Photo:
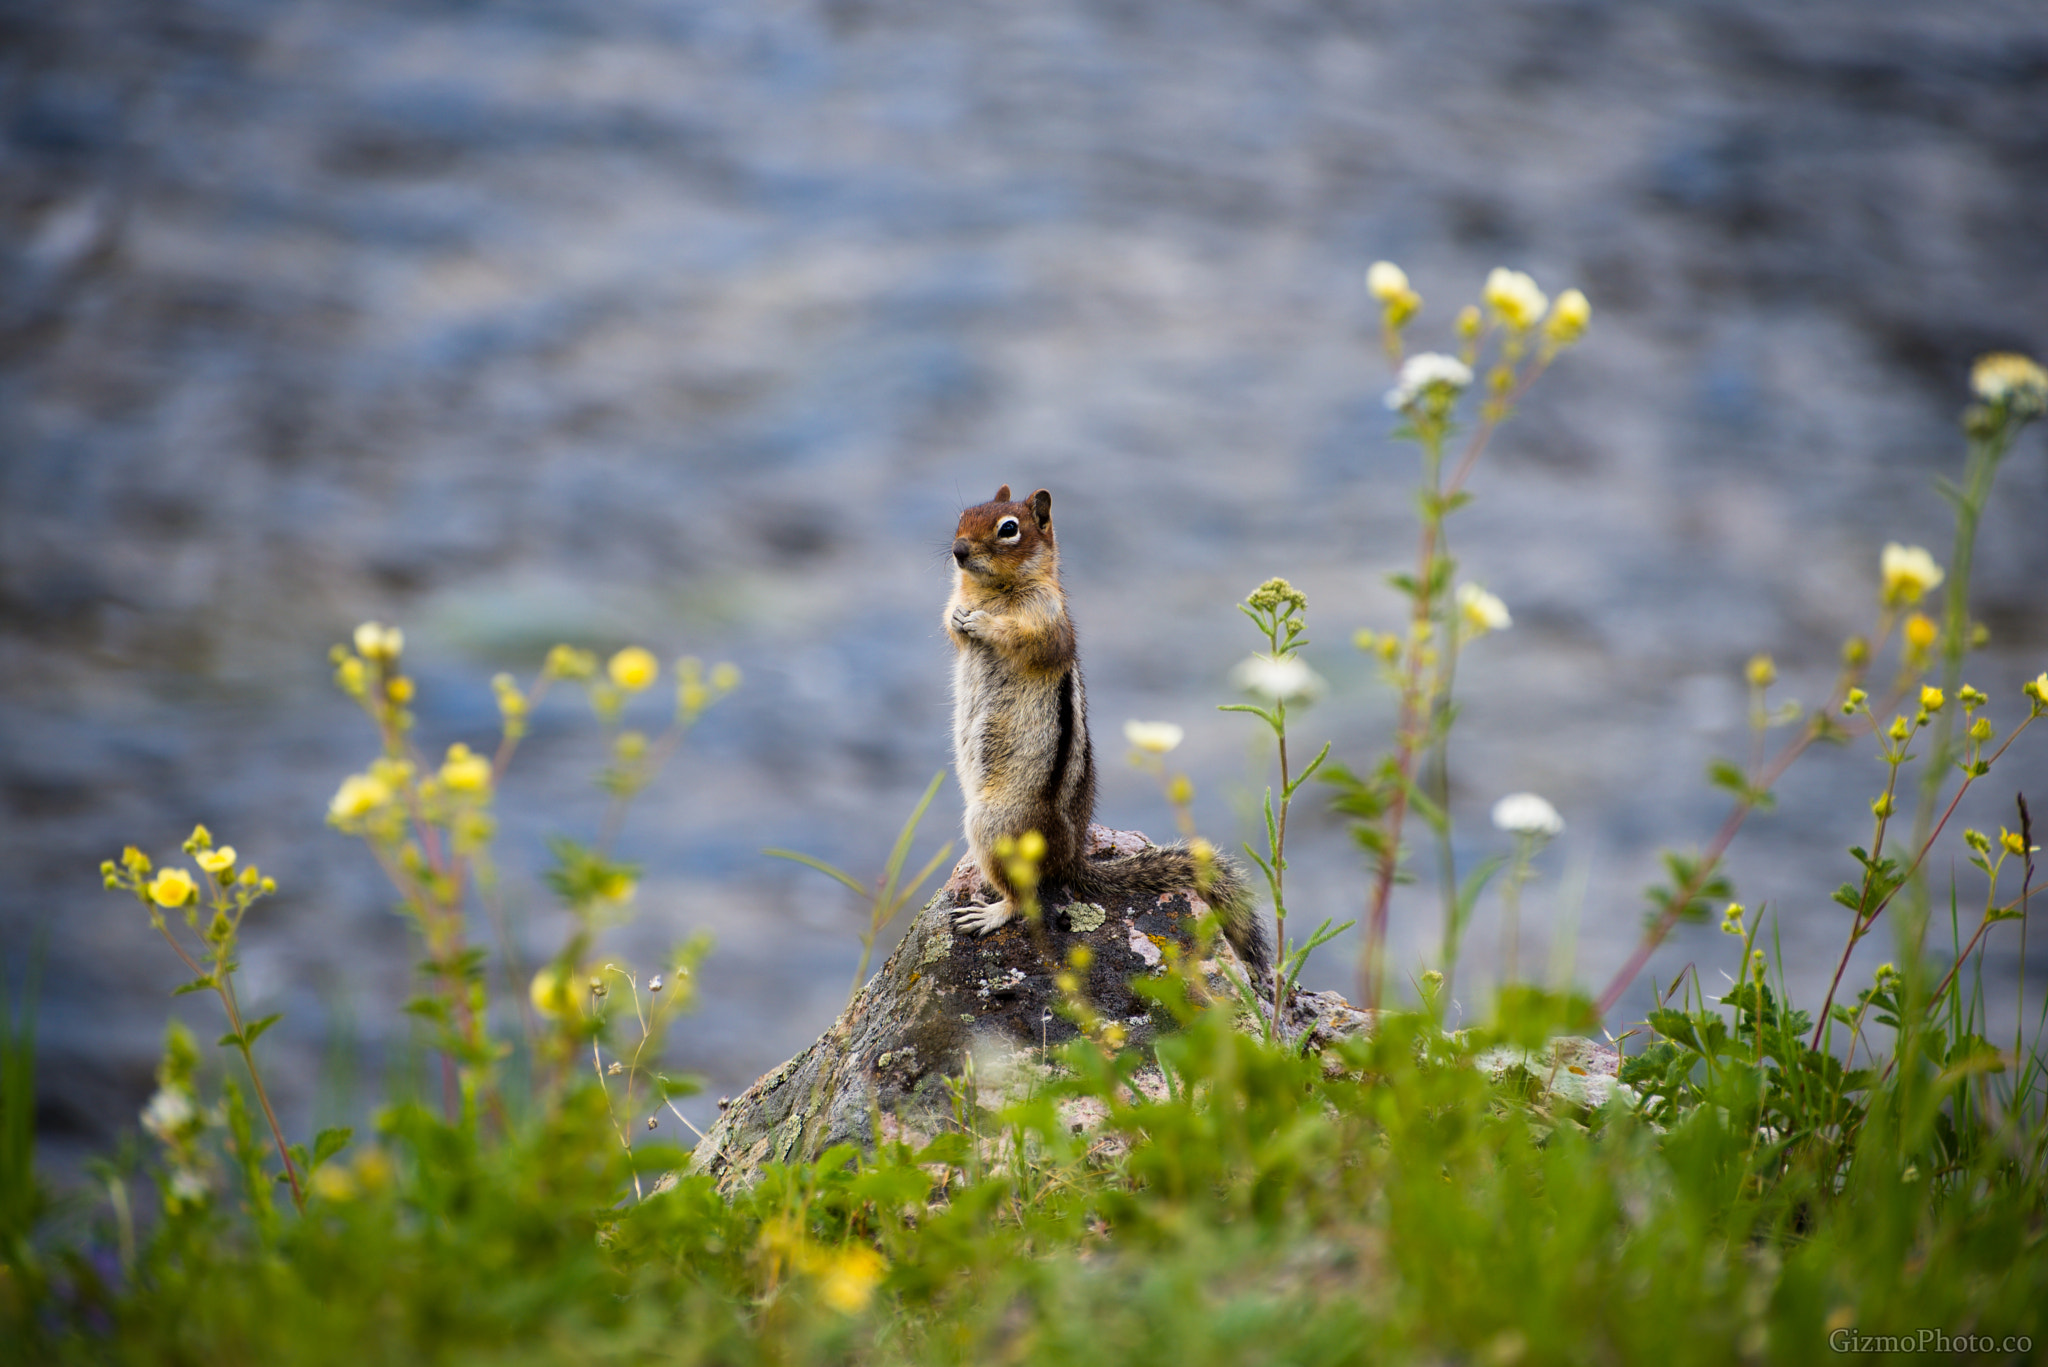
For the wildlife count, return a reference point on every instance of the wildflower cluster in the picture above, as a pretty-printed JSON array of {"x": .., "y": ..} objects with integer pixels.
[
  {"x": 227, "y": 888},
  {"x": 1510, "y": 338},
  {"x": 1277, "y": 677}
]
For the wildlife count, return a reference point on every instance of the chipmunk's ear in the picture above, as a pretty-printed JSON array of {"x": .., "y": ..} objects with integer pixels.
[
  {"x": 1002, "y": 495},
  {"x": 1041, "y": 508}
]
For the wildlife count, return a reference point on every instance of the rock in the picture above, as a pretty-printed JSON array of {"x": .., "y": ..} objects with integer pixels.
[
  {"x": 1580, "y": 1072},
  {"x": 946, "y": 1004},
  {"x": 950, "y": 1010}
]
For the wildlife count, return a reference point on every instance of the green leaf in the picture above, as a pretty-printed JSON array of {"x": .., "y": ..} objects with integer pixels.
[
  {"x": 822, "y": 867},
  {"x": 672, "y": 1087},
  {"x": 1309, "y": 772},
  {"x": 1473, "y": 885},
  {"x": 910, "y": 888},
  {"x": 330, "y": 1142},
  {"x": 901, "y": 851},
  {"x": 254, "y": 1029},
  {"x": 951, "y": 1148},
  {"x": 196, "y": 985},
  {"x": 1261, "y": 713},
  {"x": 1725, "y": 774}
]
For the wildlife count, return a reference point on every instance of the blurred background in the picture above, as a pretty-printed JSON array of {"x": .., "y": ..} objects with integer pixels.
[{"x": 695, "y": 324}]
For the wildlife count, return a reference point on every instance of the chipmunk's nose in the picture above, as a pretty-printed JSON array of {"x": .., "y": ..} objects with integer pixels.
[{"x": 961, "y": 550}]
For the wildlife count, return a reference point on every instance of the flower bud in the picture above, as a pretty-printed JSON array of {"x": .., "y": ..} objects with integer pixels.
[{"x": 634, "y": 669}]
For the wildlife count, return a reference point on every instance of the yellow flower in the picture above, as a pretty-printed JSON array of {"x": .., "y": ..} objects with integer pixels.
[
  {"x": 375, "y": 641},
  {"x": 1900, "y": 729},
  {"x": 220, "y": 861},
  {"x": 1762, "y": 672},
  {"x": 349, "y": 676},
  {"x": 1388, "y": 283},
  {"x": 1921, "y": 633},
  {"x": 172, "y": 888},
  {"x": 511, "y": 702},
  {"x": 1481, "y": 611},
  {"x": 1568, "y": 319},
  {"x": 399, "y": 690},
  {"x": 2012, "y": 842},
  {"x": 464, "y": 772},
  {"x": 2005, "y": 377},
  {"x": 2037, "y": 688},
  {"x": 1467, "y": 323},
  {"x": 1908, "y": 573},
  {"x": 1931, "y": 699},
  {"x": 1153, "y": 737},
  {"x": 359, "y": 795},
  {"x": 849, "y": 1278},
  {"x": 333, "y": 1182},
  {"x": 725, "y": 677},
  {"x": 553, "y": 993},
  {"x": 1514, "y": 296},
  {"x": 634, "y": 668},
  {"x": 567, "y": 662}
]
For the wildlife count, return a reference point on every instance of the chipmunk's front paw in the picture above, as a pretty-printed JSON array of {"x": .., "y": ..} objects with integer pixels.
[
  {"x": 982, "y": 920},
  {"x": 968, "y": 621}
]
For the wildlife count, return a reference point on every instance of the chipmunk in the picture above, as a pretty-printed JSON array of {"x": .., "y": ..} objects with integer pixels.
[{"x": 1020, "y": 732}]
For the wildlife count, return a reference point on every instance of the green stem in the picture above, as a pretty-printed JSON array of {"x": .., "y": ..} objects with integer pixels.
[{"x": 1980, "y": 469}]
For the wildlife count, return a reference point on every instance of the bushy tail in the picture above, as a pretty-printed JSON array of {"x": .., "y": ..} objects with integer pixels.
[{"x": 1161, "y": 869}]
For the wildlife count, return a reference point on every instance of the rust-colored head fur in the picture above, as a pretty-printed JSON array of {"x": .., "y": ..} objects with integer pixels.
[{"x": 1004, "y": 541}]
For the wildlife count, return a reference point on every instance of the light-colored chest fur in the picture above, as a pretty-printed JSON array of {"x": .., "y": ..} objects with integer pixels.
[{"x": 1006, "y": 726}]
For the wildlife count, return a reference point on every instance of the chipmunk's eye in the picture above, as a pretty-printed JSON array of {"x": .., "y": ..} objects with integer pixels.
[{"x": 1008, "y": 528}]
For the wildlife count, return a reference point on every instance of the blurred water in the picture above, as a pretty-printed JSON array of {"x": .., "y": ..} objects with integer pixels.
[{"x": 696, "y": 323}]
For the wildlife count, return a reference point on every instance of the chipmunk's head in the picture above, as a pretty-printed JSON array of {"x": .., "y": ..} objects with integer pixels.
[{"x": 1002, "y": 542}]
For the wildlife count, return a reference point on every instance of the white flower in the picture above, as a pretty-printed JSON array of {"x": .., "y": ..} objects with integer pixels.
[
  {"x": 1908, "y": 573},
  {"x": 1482, "y": 612},
  {"x": 168, "y": 1112},
  {"x": 375, "y": 641},
  {"x": 1515, "y": 298},
  {"x": 1526, "y": 814},
  {"x": 1386, "y": 281},
  {"x": 2005, "y": 376},
  {"x": 188, "y": 1188},
  {"x": 1283, "y": 680},
  {"x": 1423, "y": 369},
  {"x": 1153, "y": 737}
]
